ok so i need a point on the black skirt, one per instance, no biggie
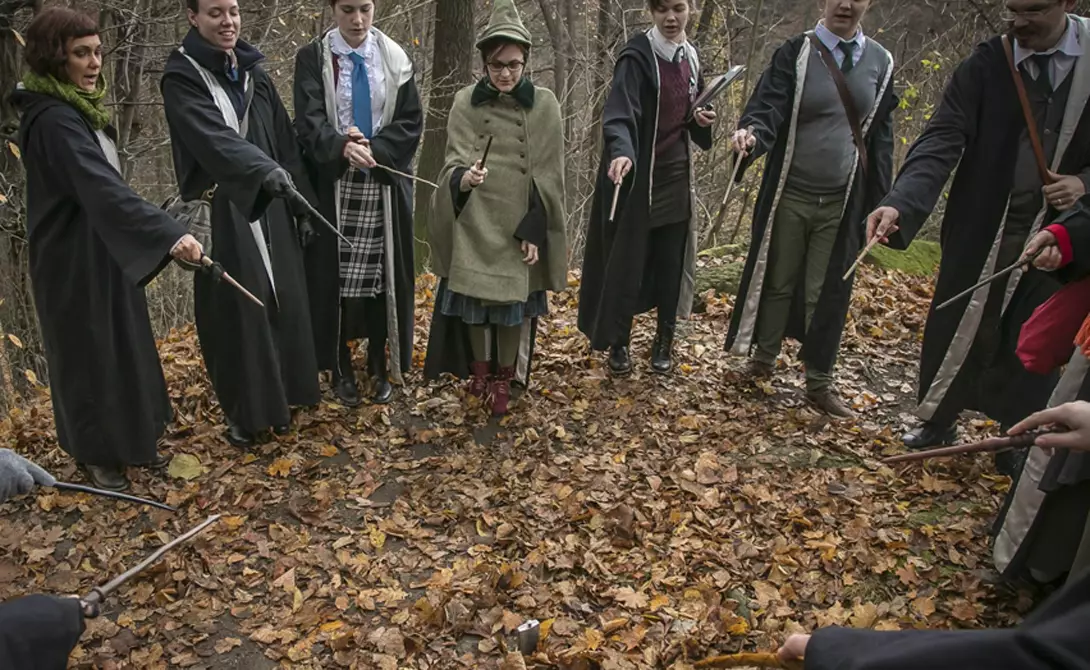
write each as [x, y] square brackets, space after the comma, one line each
[671, 200]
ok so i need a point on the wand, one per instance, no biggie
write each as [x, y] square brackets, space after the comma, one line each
[63, 486]
[998, 275]
[863, 254]
[91, 602]
[407, 176]
[487, 148]
[764, 660]
[296, 198]
[218, 272]
[991, 444]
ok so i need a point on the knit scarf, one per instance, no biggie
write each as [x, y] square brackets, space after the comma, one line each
[89, 103]
[523, 93]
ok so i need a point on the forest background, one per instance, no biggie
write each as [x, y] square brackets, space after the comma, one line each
[574, 51]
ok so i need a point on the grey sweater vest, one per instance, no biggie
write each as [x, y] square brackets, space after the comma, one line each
[824, 148]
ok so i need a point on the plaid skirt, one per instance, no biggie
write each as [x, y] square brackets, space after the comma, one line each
[477, 312]
[362, 269]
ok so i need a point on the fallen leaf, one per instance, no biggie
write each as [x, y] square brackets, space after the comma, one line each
[185, 466]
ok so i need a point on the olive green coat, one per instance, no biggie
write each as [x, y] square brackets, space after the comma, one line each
[477, 251]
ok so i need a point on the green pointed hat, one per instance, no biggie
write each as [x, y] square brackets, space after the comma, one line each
[505, 24]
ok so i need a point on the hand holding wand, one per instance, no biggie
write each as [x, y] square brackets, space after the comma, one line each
[878, 234]
[991, 444]
[91, 603]
[218, 272]
[998, 275]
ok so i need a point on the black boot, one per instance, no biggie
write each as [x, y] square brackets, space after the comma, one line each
[160, 463]
[662, 351]
[376, 363]
[619, 362]
[344, 377]
[109, 477]
[238, 436]
[929, 434]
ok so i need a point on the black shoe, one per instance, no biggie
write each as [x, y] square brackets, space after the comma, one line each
[662, 350]
[929, 434]
[345, 390]
[237, 436]
[160, 463]
[384, 391]
[619, 362]
[282, 430]
[111, 478]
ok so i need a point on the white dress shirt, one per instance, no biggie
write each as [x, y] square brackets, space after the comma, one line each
[376, 76]
[1064, 55]
[832, 42]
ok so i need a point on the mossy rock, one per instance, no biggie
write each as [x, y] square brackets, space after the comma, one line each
[724, 251]
[723, 278]
[921, 258]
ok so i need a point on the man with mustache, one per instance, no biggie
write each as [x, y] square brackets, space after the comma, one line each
[235, 146]
[998, 200]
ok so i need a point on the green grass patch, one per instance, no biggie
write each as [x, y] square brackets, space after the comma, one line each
[921, 258]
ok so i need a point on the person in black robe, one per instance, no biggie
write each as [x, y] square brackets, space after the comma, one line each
[94, 244]
[1053, 636]
[233, 142]
[39, 632]
[996, 203]
[367, 291]
[644, 257]
[816, 189]
[1043, 529]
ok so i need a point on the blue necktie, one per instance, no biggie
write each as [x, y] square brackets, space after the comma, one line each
[361, 96]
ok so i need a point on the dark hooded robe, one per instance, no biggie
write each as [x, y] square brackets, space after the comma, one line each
[1043, 528]
[323, 155]
[39, 632]
[260, 360]
[773, 113]
[979, 128]
[615, 283]
[94, 244]
[1053, 637]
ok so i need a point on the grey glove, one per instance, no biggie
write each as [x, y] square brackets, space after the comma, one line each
[18, 475]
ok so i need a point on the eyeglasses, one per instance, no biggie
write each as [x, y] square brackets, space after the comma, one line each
[1029, 14]
[514, 67]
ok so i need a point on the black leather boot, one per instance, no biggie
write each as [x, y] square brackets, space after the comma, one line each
[238, 436]
[929, 434]
[619, 361]
[344, 378]
[662, 351]
[109, 477]
[383, 390]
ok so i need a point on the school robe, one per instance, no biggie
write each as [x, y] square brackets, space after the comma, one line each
[612, 289]
[773, 112]
[94, 244]
[1042, 526]
[977, 128]
[39, 632]
[323, 155]
[260, 360]
[1053, 636]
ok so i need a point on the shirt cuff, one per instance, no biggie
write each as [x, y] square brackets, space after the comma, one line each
[1063, 241]
[175, 247]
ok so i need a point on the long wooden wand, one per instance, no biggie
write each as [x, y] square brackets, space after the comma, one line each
[65, 486]
[217, 271]
[998, 275]
[91, 603]
[991, 444]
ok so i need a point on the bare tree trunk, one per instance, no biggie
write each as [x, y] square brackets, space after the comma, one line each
[452, 68]
[557, 35]
[705, 19]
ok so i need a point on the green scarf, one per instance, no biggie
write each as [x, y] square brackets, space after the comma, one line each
[523, 93]
[89, 103]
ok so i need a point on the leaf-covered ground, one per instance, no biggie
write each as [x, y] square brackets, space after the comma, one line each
[646, 522]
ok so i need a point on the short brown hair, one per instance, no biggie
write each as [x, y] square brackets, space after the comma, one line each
[47, 38]
[494, 45]
[662, 4]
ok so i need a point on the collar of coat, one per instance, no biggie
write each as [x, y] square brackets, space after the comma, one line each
[484, 91]
[214, 59]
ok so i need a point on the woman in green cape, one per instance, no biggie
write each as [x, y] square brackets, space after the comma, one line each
[497, 226]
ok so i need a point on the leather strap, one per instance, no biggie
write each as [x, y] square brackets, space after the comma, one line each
[1027, 114]
[845, 97]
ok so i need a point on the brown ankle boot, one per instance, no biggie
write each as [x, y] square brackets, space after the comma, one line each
[501, 390]
[478, 384]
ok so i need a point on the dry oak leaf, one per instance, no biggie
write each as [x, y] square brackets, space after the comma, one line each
[630, 598]
[281, 467]
[925, 607]
[227, 644]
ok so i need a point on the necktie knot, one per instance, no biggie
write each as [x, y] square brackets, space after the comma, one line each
[1043, 62]
[848, 49]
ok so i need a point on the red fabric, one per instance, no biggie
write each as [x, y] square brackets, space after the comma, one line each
[1063, 241]
[1047, 337]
